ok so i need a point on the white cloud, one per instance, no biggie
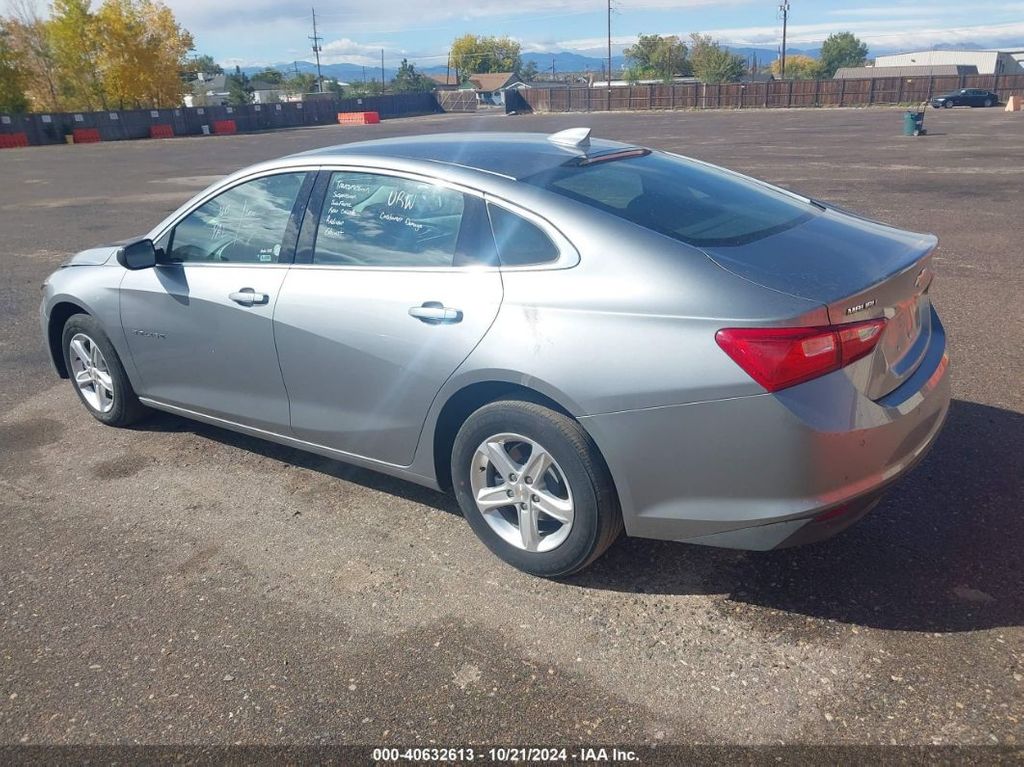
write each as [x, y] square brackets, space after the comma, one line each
[888, 34]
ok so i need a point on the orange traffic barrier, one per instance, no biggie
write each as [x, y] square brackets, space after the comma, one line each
[225, 127]
[86, 135]
[358, 118]
[161, 131]
[1013, 104]
[13, 140]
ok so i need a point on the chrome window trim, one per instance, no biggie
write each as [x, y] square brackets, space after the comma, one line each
[568, 255]
[226, 185]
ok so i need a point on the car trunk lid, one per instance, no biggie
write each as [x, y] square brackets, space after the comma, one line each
[859, 270]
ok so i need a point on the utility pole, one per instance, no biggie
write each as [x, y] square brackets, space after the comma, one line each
[784, 12]
[552, 67]
[608, 91]
[316, 50]
[382, 71]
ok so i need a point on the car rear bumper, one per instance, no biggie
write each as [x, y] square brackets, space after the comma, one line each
[771, 470]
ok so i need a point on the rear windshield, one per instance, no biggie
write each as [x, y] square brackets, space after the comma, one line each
[694, 203]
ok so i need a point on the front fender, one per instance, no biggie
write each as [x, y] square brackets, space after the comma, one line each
[94, 290]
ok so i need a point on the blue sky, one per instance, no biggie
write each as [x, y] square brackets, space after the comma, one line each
[252, 32]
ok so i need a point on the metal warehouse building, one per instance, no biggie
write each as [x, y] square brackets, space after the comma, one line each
[987, 62]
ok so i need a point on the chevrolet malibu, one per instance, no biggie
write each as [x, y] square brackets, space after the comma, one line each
[576, 337]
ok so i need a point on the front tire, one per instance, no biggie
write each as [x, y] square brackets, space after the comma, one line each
[534, 488]
[947, 105]
[97, 374]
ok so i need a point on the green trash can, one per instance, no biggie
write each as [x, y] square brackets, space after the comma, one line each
[913, 123]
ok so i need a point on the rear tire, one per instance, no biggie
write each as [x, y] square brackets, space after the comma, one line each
[988, 102]
[495, 451]
[97, 374]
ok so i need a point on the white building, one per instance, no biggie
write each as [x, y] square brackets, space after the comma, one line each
[987, 62]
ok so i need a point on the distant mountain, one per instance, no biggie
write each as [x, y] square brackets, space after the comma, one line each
[347, 73]
[564, 61]
[768, 55]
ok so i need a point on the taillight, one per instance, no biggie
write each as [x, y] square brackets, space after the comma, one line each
[780, 357]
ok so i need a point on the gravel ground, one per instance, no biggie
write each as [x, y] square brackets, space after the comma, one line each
[178, 584]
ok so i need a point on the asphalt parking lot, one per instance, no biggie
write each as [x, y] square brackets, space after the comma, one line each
[178, 584]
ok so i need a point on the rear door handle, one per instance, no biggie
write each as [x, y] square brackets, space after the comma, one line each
[249, 297]
[435, 313]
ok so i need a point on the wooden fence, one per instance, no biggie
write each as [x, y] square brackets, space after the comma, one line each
[775, 94]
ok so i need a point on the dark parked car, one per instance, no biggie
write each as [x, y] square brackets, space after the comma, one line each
[966, 97]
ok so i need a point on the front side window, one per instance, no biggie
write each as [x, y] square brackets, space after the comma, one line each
[384, 221]
[244, 225]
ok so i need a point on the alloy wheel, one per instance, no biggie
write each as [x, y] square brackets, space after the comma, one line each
[90, 373]
[522, 492]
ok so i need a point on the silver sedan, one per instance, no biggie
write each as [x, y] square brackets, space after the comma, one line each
[577, 337]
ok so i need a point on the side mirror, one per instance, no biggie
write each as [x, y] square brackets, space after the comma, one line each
[137, 255]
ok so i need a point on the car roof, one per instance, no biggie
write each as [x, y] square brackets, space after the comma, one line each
[513, 155]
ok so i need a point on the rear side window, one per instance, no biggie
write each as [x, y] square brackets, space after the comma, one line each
[376, 220]
[520, 242]
[686, 200]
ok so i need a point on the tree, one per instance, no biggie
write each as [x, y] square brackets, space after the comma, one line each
[239, 89]
[335, 88]
[408, 80]
[528, 72]
[204, 64]
[75, 42]
[472, 54]
[269, 75]
[302, 82]
[656, 57]
[142, 52]
[12, 75]
[29, 39]
[798, 67]
[842, 49]
[712, 63]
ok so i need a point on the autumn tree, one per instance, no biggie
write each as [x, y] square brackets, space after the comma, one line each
[712, 63]
[142, 52]
[29, 39]
[654, 57]
[842, 49]
[798, 67]
[12, 75]
[472, 54]
[75, 42]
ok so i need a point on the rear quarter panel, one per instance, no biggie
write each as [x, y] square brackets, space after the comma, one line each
[631, 326]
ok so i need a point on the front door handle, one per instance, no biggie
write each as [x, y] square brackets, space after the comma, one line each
[249, 297]
[435, 313]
